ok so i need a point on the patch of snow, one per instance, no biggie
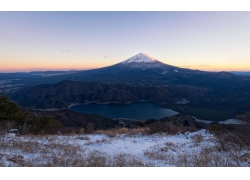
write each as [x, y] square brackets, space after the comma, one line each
[228, 121]
[164, 72]
[231, 121]
[201, 120]
[11, 135]
[13, 130]
[73, 104]
[182, 101]
[176, 71]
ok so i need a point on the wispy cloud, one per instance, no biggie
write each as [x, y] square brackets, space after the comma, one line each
[105, 56]
[204, 65]
[186, 66]
[69, 51]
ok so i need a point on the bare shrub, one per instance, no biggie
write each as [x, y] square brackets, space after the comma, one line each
[215, 127]
[81, 131]
[142, 131]
[115, 131]
[244, 117]
[121, 131]
[229, 142]
[162, 127]
[95, 159]
[243, 133]
[109, 133]
[5, 126]
[86, 138]
[90, 128]
[66, 130]
[126, 160]
[169, 146]
[101, 141]
[197, 138]
[140, 124]
[17, 160]
[161, 155]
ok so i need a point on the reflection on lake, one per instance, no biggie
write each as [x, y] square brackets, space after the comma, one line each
[139, 111]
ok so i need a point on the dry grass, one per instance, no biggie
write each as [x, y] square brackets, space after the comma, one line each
[114, 132]
[127, 160]
[207, 157]
[227, 151]
[198, 138]
[59, 154]
[108, 133]
[56, 151]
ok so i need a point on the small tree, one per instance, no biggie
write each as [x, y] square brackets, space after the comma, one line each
[90, 128]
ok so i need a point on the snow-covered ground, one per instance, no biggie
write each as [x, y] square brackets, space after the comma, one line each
[189, 149]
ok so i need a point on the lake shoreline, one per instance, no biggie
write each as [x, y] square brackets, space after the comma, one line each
[227, 121]
[95, 102]
[140, 110]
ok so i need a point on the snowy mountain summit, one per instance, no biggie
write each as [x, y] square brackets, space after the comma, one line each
[140, 58]
[142, 61]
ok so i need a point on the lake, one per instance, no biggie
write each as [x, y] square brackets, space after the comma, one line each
[137, 110]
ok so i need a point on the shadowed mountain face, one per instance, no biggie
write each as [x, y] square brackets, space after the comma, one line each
[62, 94]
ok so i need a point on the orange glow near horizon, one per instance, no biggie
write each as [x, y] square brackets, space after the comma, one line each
[40, 41]
[23, 67]
[10, 66]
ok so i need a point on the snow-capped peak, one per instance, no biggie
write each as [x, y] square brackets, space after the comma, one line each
[140, 58]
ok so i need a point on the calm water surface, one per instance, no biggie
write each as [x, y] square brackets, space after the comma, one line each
[140, 111]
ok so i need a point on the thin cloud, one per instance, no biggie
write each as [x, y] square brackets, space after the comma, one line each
[186, 66]
[106, 57]
[204, 65]
[69, 51]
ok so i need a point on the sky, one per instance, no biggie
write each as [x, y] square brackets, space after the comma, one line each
[210, 41]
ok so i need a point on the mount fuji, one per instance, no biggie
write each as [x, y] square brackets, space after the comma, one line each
[141, 61]
[140, 69]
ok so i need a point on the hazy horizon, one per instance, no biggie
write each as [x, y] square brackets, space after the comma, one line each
[43, 41]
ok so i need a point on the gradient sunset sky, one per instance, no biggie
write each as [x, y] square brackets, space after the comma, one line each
[211, 41]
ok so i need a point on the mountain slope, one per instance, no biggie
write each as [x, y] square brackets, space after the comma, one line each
[141, 69]
[62, 94]
[136, 79]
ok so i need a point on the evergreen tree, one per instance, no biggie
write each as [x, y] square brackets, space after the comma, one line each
[10, 111]
[12, 115]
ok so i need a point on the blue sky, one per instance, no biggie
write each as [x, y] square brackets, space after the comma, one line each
[212, 41]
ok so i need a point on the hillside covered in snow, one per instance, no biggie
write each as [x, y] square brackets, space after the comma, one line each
[122, 148]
